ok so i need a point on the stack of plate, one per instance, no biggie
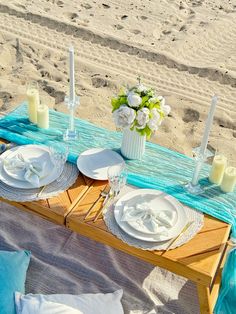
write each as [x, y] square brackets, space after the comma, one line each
[158, 201]
[15, 176]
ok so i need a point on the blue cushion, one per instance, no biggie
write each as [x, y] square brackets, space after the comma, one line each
[13, 267]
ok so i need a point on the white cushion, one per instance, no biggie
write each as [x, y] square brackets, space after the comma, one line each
[46, 307]
[109, 303]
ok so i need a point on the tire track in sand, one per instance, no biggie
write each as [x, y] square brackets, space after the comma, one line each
[115, 44]
[169, 80]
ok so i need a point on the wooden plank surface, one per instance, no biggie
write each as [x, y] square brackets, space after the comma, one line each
[64, 202]
[197, 260]
[56, 208]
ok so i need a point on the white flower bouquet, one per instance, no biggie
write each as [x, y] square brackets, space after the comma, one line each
[139, 109]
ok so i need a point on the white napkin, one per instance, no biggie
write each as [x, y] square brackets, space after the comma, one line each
[154, 219]
[33, 170]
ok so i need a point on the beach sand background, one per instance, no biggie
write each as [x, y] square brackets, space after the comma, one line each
[184, 49]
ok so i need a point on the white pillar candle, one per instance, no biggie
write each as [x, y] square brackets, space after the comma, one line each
[229, 180]
[218, 169]
[33, 102]
[72, 75]
[43, 117]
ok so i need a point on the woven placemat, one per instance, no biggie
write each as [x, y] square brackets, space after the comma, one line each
[193, 215]
[65, 180]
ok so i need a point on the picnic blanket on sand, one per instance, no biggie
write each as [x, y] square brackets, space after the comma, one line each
[65, 262]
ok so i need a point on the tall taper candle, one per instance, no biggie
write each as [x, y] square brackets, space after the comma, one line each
[208, 126]
[72, 76]
[204, 142]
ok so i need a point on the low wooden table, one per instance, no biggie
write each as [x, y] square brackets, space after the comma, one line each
[200, 260]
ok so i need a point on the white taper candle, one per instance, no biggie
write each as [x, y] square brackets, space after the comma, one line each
[72, 75]
[204, 142]
[208, 126]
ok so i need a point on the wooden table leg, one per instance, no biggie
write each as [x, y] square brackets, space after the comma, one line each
[204, 297]
[207, 297]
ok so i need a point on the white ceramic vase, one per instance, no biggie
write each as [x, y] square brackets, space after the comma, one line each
[133, 144]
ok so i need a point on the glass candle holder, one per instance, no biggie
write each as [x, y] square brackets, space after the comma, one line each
[71, 133]
[193, 187]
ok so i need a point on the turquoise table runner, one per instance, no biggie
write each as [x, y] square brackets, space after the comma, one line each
[161, 168]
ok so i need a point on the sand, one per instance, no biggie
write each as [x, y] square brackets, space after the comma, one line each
[183, 49]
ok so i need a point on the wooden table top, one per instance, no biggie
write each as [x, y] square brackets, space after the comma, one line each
[197, 260]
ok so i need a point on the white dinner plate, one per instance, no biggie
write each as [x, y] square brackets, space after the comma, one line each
[95, 162]
[28, 151]
[154, 198]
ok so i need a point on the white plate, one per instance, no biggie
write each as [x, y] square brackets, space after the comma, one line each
[94, 162]
[157, 199]
[36, 150]
[29, 153]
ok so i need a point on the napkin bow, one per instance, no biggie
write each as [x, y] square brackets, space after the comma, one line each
[154, 219]
[33, 170]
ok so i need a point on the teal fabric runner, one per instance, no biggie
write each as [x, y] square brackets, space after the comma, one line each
[161, 168]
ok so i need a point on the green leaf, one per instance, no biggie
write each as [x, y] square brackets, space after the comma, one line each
[132, 127]
[140, 131]
[123, 100]
[150, 93]
[144, 99]
[146, 131]
[144, 102]
[162, 114]
[115, 104]
[122, 91]
[158, 103]
[151, 106]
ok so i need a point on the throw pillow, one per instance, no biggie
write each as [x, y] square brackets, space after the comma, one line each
[46, 307]
[13, 268]
[98, 303]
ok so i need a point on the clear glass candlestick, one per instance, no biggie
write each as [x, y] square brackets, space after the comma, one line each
[71, 133]
[193, 187]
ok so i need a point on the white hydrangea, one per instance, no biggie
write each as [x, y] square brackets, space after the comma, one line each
[142, 117]
[165, 108]
[162, 100]
[141, 88]
[124, 116]
[153, 100]
[155, 121]
[134, 100]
